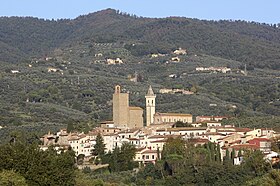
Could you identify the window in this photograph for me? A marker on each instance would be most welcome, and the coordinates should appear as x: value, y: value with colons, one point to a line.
x: 152, y: 101
x: 153, y: 156
x: 143, y: 157
x: 147, y: 157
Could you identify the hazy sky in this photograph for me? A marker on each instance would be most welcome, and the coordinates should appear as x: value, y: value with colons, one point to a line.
x: 267, y: 11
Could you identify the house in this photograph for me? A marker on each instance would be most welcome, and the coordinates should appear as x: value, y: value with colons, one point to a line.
x: 173, y: 76
x: 98, y: 55
x: 107, y: 124
x: 15, y: 71
x: 175, y: 59
x: 214, y: 69
x: 213, y: 124
x: 198, y: 142
x: 180, y: 51
x: 51, y: 69
x: 81, y: 144
x: 230, y: 140
x: 145, y: 156
x: 186, y: 132
x: 209, y: 118
x: 157, y: 55
x: 172, y: 118
x: 174, y: 91
x: 114, y: 61
x: 263, y: 144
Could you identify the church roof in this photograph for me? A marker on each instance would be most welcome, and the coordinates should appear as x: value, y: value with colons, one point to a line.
x: 150, y: 91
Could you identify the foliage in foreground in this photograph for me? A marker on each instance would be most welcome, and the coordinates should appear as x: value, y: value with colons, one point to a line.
x: 36, y: 167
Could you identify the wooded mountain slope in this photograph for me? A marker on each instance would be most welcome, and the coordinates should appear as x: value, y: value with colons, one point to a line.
x: 246, y: 42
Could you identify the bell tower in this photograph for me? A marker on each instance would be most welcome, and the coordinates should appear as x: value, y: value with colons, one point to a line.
x: 150, y: 106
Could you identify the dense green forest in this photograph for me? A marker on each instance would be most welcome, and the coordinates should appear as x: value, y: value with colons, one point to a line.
x: 80, y: 90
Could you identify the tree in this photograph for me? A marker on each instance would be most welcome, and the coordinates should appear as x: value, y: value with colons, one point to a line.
x: 36, y: 166
x: 70, y: 126
x: 270, y: 179
x: 254, y: 162
x: 11, y: 178
x: 121, y: 159
x: 174, y: 146
x: 99, y: 147
x: 126, y: 157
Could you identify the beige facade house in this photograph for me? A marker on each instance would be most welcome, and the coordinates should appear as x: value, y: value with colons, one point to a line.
x: 146, y: 156
x: 180, y: 51
x: 172, y: 118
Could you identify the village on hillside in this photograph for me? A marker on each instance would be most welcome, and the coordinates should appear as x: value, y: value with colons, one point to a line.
x: 149, y: 139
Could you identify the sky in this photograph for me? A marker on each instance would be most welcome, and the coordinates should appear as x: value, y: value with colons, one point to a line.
x: 263, y: 11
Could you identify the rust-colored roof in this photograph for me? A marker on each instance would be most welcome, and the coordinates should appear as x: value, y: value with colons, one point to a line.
x: 259, y: 139
x: 133, y: 139
x: 159, y: 141
x: 214, y: 133
x: 244, y: 146
x: 236, y: 141
x: 156, y: 136
x: 186, y: 128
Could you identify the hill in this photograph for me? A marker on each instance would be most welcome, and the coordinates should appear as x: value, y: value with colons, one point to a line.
x: 247, y: 42
x: 63, y: 76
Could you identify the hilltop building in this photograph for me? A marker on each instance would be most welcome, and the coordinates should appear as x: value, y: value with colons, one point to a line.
x: 124, y: 115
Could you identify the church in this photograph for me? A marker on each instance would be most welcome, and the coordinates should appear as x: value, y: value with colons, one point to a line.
x: 126, y: 116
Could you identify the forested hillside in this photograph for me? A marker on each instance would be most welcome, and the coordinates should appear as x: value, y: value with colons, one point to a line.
x: 80, y: 88
x: 238, y: 40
